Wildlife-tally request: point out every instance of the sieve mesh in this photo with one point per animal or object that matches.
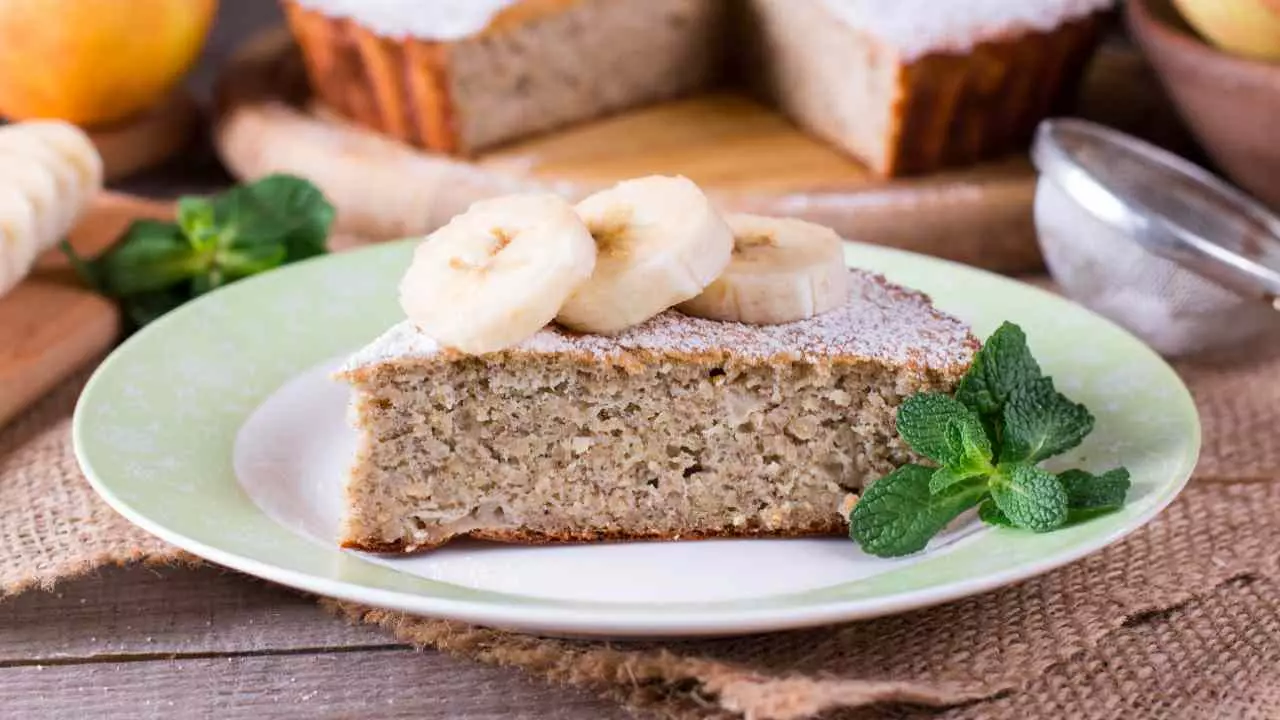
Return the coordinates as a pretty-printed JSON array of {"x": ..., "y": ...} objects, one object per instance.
[{"x": 1173, "y": 309}]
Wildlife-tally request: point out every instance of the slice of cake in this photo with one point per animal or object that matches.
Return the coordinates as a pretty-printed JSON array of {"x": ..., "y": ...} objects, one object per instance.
[
  {"x": 753, "y": 410},
  {"x": 906, "y": 86},
  {"x": 677, "y": 428}
]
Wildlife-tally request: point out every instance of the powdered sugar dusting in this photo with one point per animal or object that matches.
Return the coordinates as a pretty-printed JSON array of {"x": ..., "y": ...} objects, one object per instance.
[
  {"x": 880, "y": 322},
  {"x": 913, "y": 27},
  {"x": 919, "y": 27},
  {"x": 422, "y": 19}
]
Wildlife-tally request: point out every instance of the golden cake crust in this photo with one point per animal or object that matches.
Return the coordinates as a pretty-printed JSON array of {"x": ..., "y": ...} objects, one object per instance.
[{"x": 836, "y": 527}]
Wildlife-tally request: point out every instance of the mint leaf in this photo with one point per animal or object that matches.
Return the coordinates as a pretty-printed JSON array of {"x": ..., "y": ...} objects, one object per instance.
[
  {"x": 196, "y": 219},
  {"x": 1040, "y": 422},
  {"x": 249, "y": 229},
  {"x": 970, "y": 456},
  {"x": 251, "y": 261},
  {"x": 923, "y": 421},
  {"x": 1002, "y": 365},
  {"x": 970, "y": 448},
  {"x": 1089, "y": 496},
  {"x": 1032, "y": 498},
  {"x": 944, "y": 478},
  {"x": 206, "y": 282},
  {"x": 151, "y": 256},
  {"x": 1086, "y": 491},
  {"x": 989, "y": 513},
  {"x": 278, "y": 209},
  {"x": 898, "y": 515}
]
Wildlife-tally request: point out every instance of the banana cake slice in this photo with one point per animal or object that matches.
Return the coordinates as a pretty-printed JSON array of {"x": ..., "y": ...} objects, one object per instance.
[{"x": 677, "y": 428}]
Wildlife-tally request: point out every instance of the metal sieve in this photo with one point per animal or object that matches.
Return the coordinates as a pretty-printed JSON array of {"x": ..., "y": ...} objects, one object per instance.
[{"x": 1153, "y": 242}]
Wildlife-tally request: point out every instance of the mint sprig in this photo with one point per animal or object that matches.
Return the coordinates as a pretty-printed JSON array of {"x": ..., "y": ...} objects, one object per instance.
[
  {"x": 157, "y": 266},
  {"x": 898, "y": 514},
  {"x": 986, "y": 443}
]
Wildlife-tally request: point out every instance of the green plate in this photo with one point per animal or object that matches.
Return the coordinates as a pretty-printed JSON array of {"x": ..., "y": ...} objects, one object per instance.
[{"x": 156, "y": 431}]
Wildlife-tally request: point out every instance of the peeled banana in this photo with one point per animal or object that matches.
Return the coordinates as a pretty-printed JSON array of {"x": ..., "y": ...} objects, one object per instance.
[{"x": 49, "y": 171}]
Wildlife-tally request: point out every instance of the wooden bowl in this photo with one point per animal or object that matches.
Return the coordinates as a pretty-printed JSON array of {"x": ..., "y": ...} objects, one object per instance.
[{"x": 1231, "y": 103}]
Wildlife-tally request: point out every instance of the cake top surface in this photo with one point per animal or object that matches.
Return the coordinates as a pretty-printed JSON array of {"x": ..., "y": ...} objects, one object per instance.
[
  {"x": 425, "y": 19},
  {"x": 881, "y": 322},
  {"x": 919, "y": 27},
  {"x": 912, "y": 27}
]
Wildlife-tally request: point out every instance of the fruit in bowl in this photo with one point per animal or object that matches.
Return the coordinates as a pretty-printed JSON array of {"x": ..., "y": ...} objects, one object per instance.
[
  {"x": 1245, "y": 27},
  {"x": 90, "y": 64},
  {"x": 1227, "y": 99}
]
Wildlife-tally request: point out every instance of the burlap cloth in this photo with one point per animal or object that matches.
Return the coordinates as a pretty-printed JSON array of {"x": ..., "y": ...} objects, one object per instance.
[{"x": 1182, "y": 620}]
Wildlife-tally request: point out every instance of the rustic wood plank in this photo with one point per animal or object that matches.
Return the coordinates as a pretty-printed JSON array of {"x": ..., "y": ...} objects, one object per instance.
[
  {"x": 397, "y": 683},
  {"x": 145, "y": 612}
]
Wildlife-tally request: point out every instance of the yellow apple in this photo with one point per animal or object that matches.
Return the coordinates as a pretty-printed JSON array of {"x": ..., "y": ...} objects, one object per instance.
[
  {"x": 1245, "y": 27},
  {"x": 92, "y": 62}
]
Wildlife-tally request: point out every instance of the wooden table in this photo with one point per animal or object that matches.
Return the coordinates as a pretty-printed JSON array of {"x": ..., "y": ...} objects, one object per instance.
[{"x": 207, "y": 643}]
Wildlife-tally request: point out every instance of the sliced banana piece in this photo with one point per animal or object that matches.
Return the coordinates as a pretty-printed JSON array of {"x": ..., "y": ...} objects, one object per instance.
[
  {"x": 18, "y": 245},
  {"x": 70, "y": 198},
  {"x": 660, "y": 243},
  {"x": 497, "y": 274},
  {"x": 73, "y": 144},
  {"x": 22, "y": 174},
  {"x": 783, "y": 270}
]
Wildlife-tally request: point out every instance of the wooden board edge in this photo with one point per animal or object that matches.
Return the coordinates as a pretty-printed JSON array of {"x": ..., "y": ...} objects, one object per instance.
[{"x": 51, "y": 325}]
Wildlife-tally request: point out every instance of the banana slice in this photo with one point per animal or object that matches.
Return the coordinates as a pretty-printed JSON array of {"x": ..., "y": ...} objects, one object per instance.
[
  {"x": 497, "y": 274},
  {"x": 69, "y": 192},
  {"x": 660, "y": 243},
  {"x": 18, "y": 247},
  {"x": 20, "y": 174},
  {"x": 73, "y": 144},
  {"x": 783, "y": 270}
]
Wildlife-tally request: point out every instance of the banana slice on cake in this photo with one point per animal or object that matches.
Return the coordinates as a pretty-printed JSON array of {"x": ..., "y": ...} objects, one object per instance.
[
  {"x": 498, "y": 273},
  {"x": 782, "y": 270},
  {"x": 660, "y": 242}
]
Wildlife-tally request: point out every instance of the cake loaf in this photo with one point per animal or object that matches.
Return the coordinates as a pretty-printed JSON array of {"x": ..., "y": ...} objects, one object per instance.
[
  {"x": 912, "y": 86},
  {"x": 905, "y": 86},
  {"x": 460, "y": 76},
  {"x": 679, "y": 427}
]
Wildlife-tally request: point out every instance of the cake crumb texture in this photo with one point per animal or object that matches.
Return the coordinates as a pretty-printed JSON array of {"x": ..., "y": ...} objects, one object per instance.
[{"x": 678, "y": 428}]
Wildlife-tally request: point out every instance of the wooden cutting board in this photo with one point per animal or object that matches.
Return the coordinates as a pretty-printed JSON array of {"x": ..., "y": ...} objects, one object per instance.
[
  {"x": 51, "y": 325},
  {"x": 746, "y": 156}
]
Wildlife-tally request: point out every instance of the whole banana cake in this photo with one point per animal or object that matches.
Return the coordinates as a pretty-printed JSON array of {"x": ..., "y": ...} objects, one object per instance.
[
  {"x": 905, "y": 86},
  {"x": 635, "y": 367}
]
